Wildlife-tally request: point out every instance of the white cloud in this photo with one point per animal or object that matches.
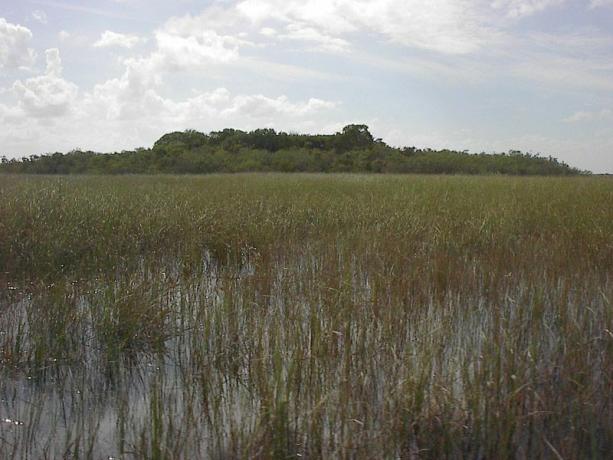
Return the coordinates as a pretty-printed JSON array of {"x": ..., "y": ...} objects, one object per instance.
[
  {"x": 114, "y": 39},
  {"x": 136, "y": 94},
  {"x": 178, "y": 50},
  {"x": 581, "y": 116},
  {"x": 49, "y": 95},
  {"x": 193, "y": 40},
  {"x": 448, "y": 26},
  {"x": 186, "y": 44},
  {"x": 14, "y": 41},
  {"x": 40, "y": 16},
  {"x": 10, "y": 114},
  {"x": 63, "y": 35},
  {"x": 220, "y": 105},
  {"x": 599, "y": 3},
  {"x": 131, "y": 110},
  {"x": 125, "y": 113},
  {"x": 326, "y": 14},
  {"x": 128, "y": 97},
  {"x": 259, "y": 106},
  {"x": 321, "y": 40},
  {"x": 445, "y": 26},
  {"x": 54, "y": 63},
  {"x": 520, "y": 8},
  {"x": 268, "y": 31}
]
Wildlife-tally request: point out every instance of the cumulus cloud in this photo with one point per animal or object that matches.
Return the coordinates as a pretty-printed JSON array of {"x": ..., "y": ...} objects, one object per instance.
[
  {"x": 133, "y": 110},
  {"x": 260, "y": 106},
  {"x": 182, "y": 44},
  {"x": 113, "y": 39},
  {"x": 186, "y": 44},
  {"x": 179, "y": 50},
  {"x": 120, "y": 114},
  {"x": 49, "y": 95},
  {"x": 128, "y": 97},
  {"x": 136, "y": 94},
  {"x": 222, "y": 105},
  {"x": 191, "y": 41},
  {"x": 14, "y": 50}
]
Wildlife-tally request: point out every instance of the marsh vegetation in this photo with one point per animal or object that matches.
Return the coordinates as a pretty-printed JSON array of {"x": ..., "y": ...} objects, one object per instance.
[{"x": 285, "y": 316}]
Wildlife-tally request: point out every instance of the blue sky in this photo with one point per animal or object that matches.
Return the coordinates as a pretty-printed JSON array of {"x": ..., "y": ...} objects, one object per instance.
[{"x": 480, "y": 75}]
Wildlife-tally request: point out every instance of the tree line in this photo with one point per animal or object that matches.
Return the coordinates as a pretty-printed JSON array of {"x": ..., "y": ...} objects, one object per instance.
[{"x": 353, "y": 149}]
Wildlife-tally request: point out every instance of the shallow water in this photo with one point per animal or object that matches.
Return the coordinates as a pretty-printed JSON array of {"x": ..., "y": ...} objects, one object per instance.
[{"x": 201, "y": 392}]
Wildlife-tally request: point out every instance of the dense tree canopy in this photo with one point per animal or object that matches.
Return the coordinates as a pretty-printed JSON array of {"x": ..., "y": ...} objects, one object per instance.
[{"x": 352, "y": 150}]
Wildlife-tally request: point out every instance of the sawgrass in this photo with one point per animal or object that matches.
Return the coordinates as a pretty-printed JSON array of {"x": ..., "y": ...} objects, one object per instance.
[{"x": 277, "y": 316}]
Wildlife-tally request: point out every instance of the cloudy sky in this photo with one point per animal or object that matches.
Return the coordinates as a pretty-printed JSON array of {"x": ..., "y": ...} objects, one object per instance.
[{"x": 481, "y": 75}]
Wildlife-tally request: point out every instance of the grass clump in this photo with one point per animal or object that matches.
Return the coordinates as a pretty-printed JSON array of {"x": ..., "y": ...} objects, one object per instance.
[{"x": 130, "y": 317}]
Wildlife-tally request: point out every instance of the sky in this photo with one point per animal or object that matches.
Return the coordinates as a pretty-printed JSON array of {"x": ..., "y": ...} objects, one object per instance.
[{"x": 476, "y": 75}]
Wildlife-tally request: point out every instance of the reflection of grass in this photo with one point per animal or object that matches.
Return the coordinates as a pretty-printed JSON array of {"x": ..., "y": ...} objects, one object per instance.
[
  {"x": 130, "y": 318},
  {"x": 270, "y": 316}
]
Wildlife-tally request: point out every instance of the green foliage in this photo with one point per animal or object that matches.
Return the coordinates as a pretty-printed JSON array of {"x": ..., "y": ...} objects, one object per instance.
[{"x": 352, "y": 150}]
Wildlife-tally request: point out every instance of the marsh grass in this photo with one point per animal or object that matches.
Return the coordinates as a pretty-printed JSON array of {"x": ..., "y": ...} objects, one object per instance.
[{"x": 273, "y": 316}]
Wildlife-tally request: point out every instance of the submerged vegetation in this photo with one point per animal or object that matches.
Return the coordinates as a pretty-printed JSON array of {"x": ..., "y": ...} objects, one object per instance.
[
  {"x": 313, "y": 316},
  {"x": 352, "y": 150}
]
